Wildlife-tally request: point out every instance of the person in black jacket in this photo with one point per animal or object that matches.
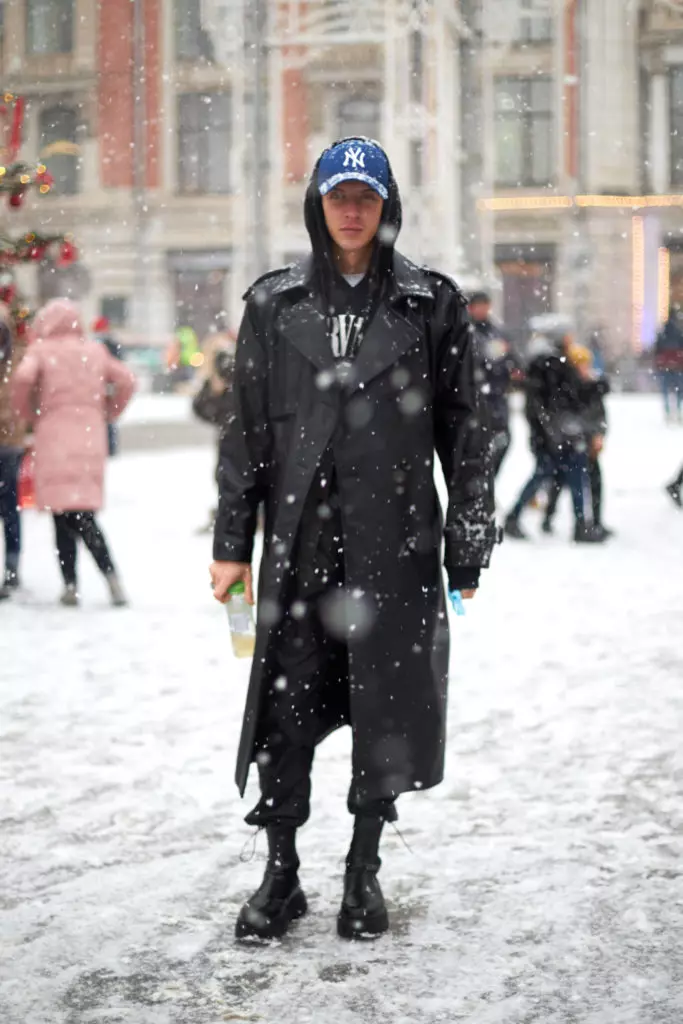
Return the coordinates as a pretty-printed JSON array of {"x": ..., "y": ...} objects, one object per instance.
[
  {"x": 556, "y": 414},
  {"x": 101, "y": 330},
  {"x": 495, "y": 366},
  {"x": 668, "y": 353},
  {"x": 591, "y": 391},
  {"x": 213, "y": 402},
  {"x": 353, "y": 369}
]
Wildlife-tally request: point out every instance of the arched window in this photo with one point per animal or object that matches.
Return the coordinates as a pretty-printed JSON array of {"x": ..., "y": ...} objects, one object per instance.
[
  {"x": 49, "y": 26},
  {"x": 59, "y": 147}
]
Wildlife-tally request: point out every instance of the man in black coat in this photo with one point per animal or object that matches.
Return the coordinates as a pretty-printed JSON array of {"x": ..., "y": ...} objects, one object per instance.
[
  {"x": 494, "y": 368},
  {"x": 353, "y": 368}
]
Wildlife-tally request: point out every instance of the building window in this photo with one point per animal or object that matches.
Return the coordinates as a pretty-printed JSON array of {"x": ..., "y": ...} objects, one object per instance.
[
  {"x": 192, "y": 41},
  {"x": 416, "y": 66},
  {"x": 114, "y": 308},
  {"x": 524, "y": 131},
  {"x": 59, "y": 147},
  {"x": 676, "y": 126},
  {"x": 204, "y": 142},
  {"x": 533, "y": 25},
  {"x": 359, "y": 115},
  {"x": 49, "y": 26},
  {"x": 416, "y": 163}
]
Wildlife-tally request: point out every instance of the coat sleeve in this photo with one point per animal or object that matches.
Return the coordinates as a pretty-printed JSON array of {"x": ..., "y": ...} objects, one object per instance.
[
  {"x": 121, "y": 380},
  {"x": 245, "y": 447},
  {"x": 463, "y": 447},
  {"x": 24, "y": 385}
]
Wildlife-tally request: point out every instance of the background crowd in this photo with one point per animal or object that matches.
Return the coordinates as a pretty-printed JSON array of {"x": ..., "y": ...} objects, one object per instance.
[{"x": 63, "y": 387}]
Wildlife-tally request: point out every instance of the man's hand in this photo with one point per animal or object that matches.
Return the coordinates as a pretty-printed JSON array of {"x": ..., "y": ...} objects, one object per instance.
[
  {"x": 225, "y": 574},
  {"x": 467, "y": 595}
]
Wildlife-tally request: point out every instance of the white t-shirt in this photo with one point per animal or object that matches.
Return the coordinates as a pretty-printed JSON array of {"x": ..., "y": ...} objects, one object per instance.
[{"x": 353, "y": 279}]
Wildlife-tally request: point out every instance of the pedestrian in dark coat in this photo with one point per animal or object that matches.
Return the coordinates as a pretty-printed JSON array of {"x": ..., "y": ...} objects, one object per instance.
[
  {"x": 102, "y": 332},
  {"x": 556, "y": 413},
  {"x": 668, "y": 353},
  {"x": 494, "y": 368},
  {"x": 353, "y": 369},
  {"x": 13, "y": 430},
  {"x": 591, "y": 392}
]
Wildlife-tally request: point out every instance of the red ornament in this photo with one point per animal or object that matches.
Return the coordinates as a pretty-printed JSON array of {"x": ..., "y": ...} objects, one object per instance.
[
  {"x": 45, "y": 178},
  {"x": 21, "y": 328},
  {"x": 36, "y": 252},
  {"x": 68, "y": 254},
  {"x": 16, "y": 199},
  {"x": 17, "y": 124}
]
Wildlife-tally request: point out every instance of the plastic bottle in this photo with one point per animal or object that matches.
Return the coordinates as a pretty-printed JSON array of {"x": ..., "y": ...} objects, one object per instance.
[{"x": 241, "y": 619}]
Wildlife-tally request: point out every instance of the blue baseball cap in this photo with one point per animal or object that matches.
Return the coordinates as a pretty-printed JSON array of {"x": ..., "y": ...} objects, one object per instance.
[{"x": 354, "y": 160}]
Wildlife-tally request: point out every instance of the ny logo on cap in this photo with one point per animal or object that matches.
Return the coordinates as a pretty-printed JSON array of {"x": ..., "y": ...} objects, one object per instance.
[{"x": 355, "y": 157}]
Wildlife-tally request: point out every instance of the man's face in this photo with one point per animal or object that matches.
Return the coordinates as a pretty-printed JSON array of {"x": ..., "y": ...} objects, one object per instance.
[
  {"x": 352, "y": 211},
  {"x": 480, "y": 311}
]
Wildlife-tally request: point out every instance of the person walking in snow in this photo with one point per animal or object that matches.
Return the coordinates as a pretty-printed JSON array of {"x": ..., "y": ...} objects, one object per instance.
[
  {"x": 668, "y": 354},
  {"x": 70, "y": 387},
  {"x": 213, "y": 402},
  {"x": 495, "y": 366},
  {"x": 556, "y": 413},
  {"x": 12, "y": 437},
  {"x": 101, "y": 329},
  {"x": 592, "y": 390},
  {"x": 353, "y": 368}
]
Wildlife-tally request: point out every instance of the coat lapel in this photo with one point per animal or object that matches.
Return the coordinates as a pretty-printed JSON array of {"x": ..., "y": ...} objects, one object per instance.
[
  {"x": 388, "y": 336},
  {"x": 303, "y": 324}
]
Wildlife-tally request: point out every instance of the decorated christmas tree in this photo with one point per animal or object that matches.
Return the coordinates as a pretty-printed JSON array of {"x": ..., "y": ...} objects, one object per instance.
[{"x": 17, "y": 178}]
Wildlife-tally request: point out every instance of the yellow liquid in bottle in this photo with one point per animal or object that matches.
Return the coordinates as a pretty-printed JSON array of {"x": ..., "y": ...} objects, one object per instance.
[{"x": 243, "y": 645}]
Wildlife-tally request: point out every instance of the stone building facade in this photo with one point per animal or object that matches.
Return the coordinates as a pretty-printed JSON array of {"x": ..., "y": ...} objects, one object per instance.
[{"x": 538, "y": 143}]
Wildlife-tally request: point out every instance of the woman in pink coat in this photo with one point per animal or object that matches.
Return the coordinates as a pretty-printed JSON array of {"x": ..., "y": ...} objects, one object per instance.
[{"x": 70, "y": 387}]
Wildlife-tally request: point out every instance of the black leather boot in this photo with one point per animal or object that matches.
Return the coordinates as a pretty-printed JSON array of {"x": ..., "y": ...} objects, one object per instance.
[
  {"x": 363, "y": 913},
  {"x": 279, "y": 900}
]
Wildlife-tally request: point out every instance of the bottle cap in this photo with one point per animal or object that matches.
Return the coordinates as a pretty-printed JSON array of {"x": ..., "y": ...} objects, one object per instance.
[{"x": 237, "y": 588}]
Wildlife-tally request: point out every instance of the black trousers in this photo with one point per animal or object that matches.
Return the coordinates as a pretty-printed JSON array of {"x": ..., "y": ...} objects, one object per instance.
[
  {"x": 69, "y": 526},
  {"x": 309, "y": 693}
]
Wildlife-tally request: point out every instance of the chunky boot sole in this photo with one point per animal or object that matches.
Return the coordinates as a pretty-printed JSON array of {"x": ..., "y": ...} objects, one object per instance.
[
  {"x": 255, "y": 926},
  {"x": 370, "y": 927}
]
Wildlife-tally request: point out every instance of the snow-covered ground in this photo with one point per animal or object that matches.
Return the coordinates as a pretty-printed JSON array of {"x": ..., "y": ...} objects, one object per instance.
[
  {"x": 150, "y": 409},
  {"x": 543, "y": 881}
]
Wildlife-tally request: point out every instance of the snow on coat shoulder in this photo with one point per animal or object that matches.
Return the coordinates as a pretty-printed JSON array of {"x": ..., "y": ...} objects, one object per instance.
[{"x": 69, "y": 387}]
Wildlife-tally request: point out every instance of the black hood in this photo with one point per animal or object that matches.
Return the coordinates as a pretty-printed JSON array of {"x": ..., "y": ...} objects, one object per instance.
[{"x": 321, "y": 243}]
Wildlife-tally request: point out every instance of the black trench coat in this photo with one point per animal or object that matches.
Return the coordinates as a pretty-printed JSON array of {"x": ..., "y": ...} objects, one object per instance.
[{"x": 411, "y": 392}]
